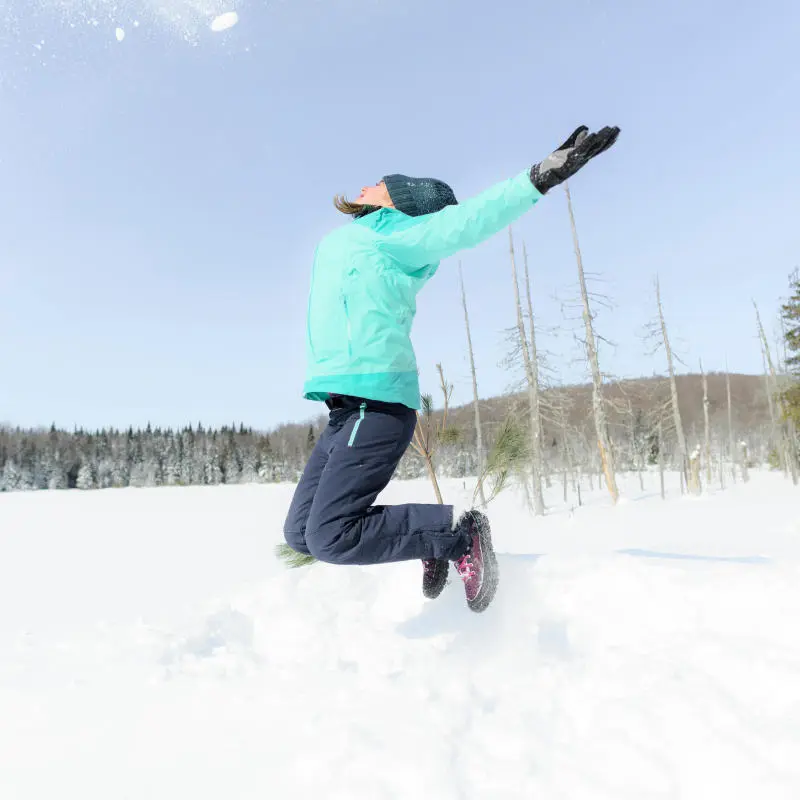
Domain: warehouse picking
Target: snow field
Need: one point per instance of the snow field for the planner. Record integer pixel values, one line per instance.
(152, 647)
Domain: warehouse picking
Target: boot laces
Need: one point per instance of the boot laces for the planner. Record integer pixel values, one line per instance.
(465, 567)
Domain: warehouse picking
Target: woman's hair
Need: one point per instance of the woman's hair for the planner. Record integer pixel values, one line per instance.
(352, 209)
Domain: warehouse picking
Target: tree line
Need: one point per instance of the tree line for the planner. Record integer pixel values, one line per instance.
(38, 459)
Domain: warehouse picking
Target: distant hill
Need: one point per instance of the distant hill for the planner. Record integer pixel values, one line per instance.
(646, 396)
(635, 408)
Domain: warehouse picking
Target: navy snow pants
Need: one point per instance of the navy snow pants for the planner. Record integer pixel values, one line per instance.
(332, 516)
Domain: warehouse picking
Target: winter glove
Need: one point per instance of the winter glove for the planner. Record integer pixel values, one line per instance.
(575, 153)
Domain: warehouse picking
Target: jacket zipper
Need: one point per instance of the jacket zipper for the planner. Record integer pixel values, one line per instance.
(363, 409)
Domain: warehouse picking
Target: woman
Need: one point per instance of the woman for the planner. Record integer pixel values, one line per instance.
(362, 365)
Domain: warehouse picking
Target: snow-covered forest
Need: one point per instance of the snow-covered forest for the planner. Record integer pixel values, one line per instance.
(58, 459)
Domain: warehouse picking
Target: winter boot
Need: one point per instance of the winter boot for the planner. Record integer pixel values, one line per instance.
(478, 567)
(434, 577)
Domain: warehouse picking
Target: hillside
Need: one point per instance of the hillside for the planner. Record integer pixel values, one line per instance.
(647, 396)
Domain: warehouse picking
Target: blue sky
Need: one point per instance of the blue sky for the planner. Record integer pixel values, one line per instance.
(162, 196)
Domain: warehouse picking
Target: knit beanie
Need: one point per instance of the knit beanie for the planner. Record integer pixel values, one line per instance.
(418, 196)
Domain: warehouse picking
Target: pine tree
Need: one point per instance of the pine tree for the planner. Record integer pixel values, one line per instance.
(790, 314)
(56, 474)
(249, 465)
(231, 468)
(172, 462)
(85, 477)
(311, 439)
(11, 477)
(212, 468)
(266, 461)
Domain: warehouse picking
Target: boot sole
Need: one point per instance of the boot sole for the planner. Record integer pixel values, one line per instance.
(491, 575)
(434, 591)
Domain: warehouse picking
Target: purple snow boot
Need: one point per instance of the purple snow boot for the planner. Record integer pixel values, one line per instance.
(478, 567)
(434, 577)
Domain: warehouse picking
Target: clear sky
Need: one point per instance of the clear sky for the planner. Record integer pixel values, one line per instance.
(161, 196)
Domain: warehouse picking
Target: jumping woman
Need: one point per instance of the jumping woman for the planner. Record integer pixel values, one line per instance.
(361, 363)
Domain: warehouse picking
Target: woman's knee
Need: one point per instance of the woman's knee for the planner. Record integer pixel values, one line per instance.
(333, 542)
(295, 538)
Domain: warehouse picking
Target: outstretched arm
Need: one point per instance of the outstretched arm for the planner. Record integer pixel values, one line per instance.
(455, 228)
(466, 225)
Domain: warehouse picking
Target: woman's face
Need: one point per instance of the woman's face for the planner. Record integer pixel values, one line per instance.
(376, 195)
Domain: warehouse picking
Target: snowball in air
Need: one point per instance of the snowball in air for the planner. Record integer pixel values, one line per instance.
(120, 34)
(224, 21)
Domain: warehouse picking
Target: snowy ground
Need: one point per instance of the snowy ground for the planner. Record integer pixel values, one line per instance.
(152, 648)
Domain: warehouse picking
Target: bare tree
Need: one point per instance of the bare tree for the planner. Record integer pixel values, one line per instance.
(706, 426)
(745, 462)
(590, 343)
(570, 441)
(429, 433)
(478, 433)
(535, 362)
(731, 443)
(661, 459)
(676, 412)
(769, 389)
(532, 375)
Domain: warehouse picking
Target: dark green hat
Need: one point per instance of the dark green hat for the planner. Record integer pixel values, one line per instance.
(418, 196)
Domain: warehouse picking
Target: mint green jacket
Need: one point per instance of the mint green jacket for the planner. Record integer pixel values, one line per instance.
(364, 286)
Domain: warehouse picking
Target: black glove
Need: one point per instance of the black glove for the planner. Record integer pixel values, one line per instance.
(575, 153)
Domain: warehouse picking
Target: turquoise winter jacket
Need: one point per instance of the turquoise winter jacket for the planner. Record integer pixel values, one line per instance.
(364, 285)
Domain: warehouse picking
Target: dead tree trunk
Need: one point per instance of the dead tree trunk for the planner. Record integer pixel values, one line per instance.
(676, 412)
(598, 405)
(567, 461)
(478, 433)
(745, 463)
(534, 351)
(768, 389)
(731, 443)
(427, 435)
(532, 376)
(637, 459)
(694, 471)
(706, 427)
(661, 459)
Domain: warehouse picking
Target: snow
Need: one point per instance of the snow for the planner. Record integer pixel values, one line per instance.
(186, 19)
(152, 647)
(224, 21)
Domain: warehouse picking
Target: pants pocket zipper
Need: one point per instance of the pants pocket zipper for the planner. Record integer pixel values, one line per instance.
(362, 409)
